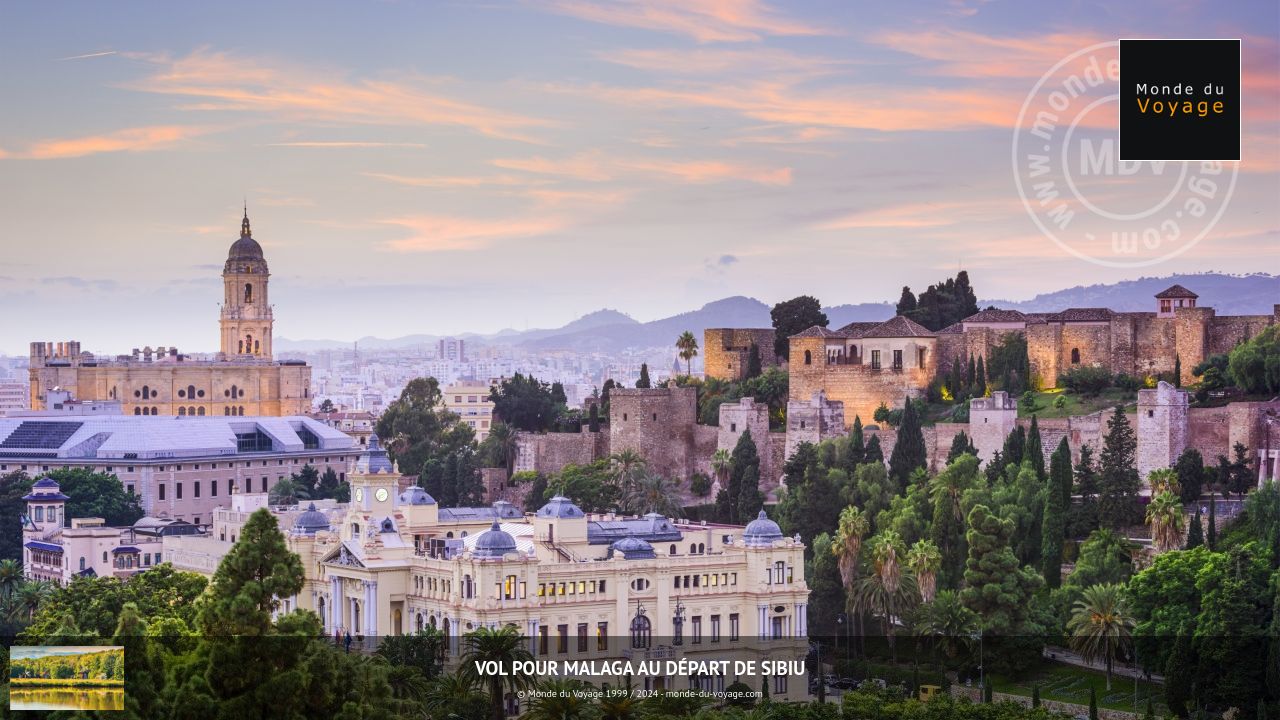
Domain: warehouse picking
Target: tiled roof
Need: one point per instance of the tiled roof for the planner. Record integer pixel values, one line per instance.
(856, 329)
(49, 547)
(952, 329)
(1176, 291)
(899, 327)
(1036, 318)
(996, 315)
(817, 331)
(1082, 315)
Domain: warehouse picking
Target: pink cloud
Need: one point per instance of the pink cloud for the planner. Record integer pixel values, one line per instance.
(454, 181)
(703, 20)
(594, 166)
(140, 139)
(301, 94)
(440, 233)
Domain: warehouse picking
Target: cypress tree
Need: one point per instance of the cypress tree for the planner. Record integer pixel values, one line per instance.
(1055, 515)
(909, 451)
(960, 445)
(857, 447)
(980, 378)
(643, 382)
(994, 469)
(971, 374)
(1211, 537)
(1015, 447)
(1034, 450)
(1118, 481)
(1195, 533)
(1035, 696)
(751, 501)
(593, 419)
(754, 365)
(874, 453)
(956, 382)
(1177, 371)
(744, 456)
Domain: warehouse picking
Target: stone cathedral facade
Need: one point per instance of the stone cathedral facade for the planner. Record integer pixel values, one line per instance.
(242, 378)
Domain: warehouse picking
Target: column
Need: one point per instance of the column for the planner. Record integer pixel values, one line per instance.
(371, 608)
(453, 636)
(335, 604)
(532, 626)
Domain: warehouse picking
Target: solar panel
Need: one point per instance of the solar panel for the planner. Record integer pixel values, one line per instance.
(41, 435)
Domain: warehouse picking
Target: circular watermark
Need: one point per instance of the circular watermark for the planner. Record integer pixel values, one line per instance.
(1099, 208)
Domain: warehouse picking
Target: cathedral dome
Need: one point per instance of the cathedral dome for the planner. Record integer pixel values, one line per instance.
(245, 249)
(761, 532)
(494, 543)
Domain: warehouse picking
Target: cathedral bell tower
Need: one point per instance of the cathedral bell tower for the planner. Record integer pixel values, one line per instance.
(246, 310)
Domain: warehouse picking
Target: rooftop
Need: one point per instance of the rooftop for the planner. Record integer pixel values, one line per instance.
(1175, 291)
(142, 437)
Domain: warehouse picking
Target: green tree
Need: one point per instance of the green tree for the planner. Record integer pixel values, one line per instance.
(793, 316)
(960, 444)
(287, 492)
(1034, 452)
(1118, 481)
(744, 456)
(593, 422)
(755, 365)
(906, 302)
(644, 381)
(874, 453)
(924, 559)
(942, 303)
(505, 646)
(1190, 469)
(1009, 366)
(1105, 557)
(1195, 532)
(417, 428)
(1100, 626)
(1167, 521)
(1254, 365)
(687, 344)
(525, 403)
(1055, 515)
(326, 406)
(997, 588)
(947, 490)
(909, 452)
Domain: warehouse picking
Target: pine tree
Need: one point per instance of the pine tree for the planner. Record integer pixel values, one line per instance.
(874, 453)
(1055, 515)
(906, 302)
(909, 451)
(754, 365)
(1034, 450)
(1118, 482)
(993, 565)
(643, 382)
(1195, 533)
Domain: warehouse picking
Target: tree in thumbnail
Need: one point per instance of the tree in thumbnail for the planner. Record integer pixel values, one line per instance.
(1056, 503)
(909, 452)
(644, 383)
(1118, 482)
(794, 316)
(687, 344)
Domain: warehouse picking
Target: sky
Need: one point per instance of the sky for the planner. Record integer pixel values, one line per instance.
(450, 167)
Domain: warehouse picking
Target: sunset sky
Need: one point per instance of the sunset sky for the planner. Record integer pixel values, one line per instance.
(453, 167)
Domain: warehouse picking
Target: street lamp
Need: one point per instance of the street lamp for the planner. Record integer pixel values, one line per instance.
(678, 623)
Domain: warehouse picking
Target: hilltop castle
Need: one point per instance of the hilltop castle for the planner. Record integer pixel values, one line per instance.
(241, 379)
(864, 364)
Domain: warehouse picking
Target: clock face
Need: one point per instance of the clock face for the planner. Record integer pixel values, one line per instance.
(381, 494)
(359, 494)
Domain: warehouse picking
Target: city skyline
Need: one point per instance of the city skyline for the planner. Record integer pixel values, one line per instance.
(429, 167)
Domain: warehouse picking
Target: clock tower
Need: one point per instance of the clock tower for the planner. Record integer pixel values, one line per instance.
(246, 311)
(374, 482)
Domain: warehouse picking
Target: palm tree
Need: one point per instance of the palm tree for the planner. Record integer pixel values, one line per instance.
(924, 559)
(721, 463)
(619, 707)
(559, 699)
(948, 621)
(450, 691)
(848, 542)
(1167, 520)
(1164, 479)
(688, 346)
(652, 493)
(10, 577)
(504, 439)
(1100, 625)
(29, 597)
(505, 646)
(888, 591)
(626, 465)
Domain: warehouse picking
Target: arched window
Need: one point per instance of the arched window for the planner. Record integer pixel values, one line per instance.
(248, 342)
(146, 392)
(240, 348)
(182, 411)
(468, 587)
(257, 347)
(191, 411)
(673, 550)
(641, 632)
(808, 358)
(137, 411)
(191, 391)
(419, 623)
(82, 563)
(702, 548)
(248, 292)
(1075, 356)
(200, 411)
(104, 556)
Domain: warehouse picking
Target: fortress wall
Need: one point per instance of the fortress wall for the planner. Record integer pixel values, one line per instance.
(725, 351)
